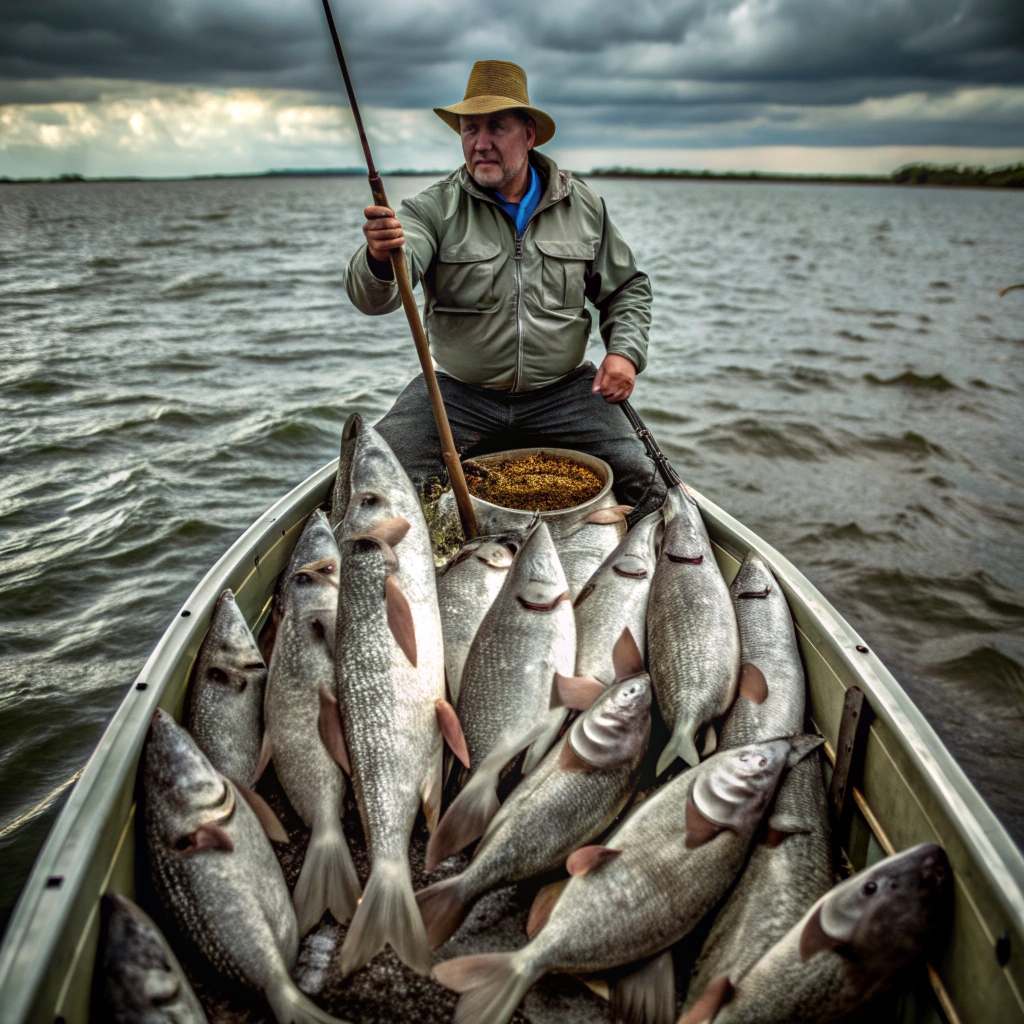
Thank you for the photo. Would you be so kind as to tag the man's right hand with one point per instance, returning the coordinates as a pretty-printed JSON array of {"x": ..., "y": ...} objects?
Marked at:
[{"x": 383, "y": 232}]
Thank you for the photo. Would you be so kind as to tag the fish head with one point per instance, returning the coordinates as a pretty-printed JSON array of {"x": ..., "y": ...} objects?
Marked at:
[
  {"x": 754, "y": 579},
  {"x": 685, "y": 538},
  {"x": 615, "y": 729},
  {"x": 379, "y": 488},
  {"x": 183, "y": 790},
  {"x": 312, "y": 598},
  {"x": 229, "y": 658},
  {"x": 497, "y": 554},
  {"x": 536, "y": 573},
  {"x": 732, "y": 789},
  {"x": 886, "y": 916},
  {"x": 317, "y": 538}
]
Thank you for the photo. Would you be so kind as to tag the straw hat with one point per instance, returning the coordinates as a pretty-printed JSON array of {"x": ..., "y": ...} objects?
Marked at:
[{"x": 497, "y": 85}]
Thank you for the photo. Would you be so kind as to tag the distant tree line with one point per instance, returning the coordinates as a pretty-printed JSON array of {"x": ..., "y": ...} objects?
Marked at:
[{"x": 953, "y": 174}]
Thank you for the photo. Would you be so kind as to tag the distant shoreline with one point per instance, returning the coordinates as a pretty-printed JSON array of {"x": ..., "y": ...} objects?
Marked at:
[{"x": 928, "y": 175}]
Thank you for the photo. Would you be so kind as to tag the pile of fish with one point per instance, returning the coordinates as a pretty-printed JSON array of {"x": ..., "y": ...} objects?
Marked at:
[{"x": 515, "y": 709}]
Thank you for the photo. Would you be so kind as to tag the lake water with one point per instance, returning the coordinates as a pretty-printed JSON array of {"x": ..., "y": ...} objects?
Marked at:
[{"x": 832, "y": 364}]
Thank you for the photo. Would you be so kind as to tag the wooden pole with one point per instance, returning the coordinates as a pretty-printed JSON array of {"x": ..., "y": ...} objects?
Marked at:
[{"x": 412, "y": 312}]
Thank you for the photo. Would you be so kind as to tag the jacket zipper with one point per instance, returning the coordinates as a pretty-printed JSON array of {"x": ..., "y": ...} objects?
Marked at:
[{"x": 519, "y": 312}]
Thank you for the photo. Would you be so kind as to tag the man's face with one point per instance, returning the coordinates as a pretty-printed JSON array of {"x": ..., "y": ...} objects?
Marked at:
[{"x": 496, "y": 146}]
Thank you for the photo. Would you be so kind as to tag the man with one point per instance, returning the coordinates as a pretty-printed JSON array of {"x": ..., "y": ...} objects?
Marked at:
[{"x": 507, "y": 249}]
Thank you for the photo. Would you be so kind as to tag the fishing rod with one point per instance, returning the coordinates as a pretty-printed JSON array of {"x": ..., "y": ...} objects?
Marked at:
[
  {"x": 657, "y": 456},
  {"x": 412, "y": 312}
]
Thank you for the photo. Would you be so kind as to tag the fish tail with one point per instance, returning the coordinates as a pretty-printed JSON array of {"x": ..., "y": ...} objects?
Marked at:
[
  {"x": 387, "y": 913},
  {"x": 491, "y": 985},
  {"x": 466, "y": 819},
  {"x": 328, "y": 879},
  {"x": 680, "y": 744},
  {"x": 443, "y": 906},
  {"x": 290, "y": 1006}
]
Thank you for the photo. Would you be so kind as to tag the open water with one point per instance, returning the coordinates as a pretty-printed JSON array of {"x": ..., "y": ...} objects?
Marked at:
[{"x": 832, "y": 364}]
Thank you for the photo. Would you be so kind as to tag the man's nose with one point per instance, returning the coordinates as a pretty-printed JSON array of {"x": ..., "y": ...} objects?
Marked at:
[{"x": 483, "y": 142}]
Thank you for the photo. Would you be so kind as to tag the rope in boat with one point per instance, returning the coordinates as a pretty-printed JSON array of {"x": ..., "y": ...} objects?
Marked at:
[{"x": 41, "y": 806}]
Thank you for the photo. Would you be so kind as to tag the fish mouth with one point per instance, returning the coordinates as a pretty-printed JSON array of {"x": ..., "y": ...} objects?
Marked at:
[
  {"x": 534, "y": 606},
  {"x": 224, "y": 805}
]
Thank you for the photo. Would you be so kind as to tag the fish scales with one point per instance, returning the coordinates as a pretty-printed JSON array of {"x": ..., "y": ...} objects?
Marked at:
[
  {"x": 771, "y": 696},
  {"x": 693, "y": 638},
  {"x": 583, "y": 546}
]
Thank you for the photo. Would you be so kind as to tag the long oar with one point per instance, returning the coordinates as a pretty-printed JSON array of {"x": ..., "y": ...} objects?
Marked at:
[
  {"x": 660, "y": 459},
  {"x": 412, "y": 313}
]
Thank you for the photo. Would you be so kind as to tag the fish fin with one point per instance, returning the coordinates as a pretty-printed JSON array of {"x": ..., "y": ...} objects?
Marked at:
[
  {"x": 443, "y": 908},
  {"x": 586, "y": 858},
  {"x": 680, "y": 744},
  {"x": 699, "y": 829},
  {"x": 713, "y": 998},
  {"x": 328, "y": 879},
  {"x": 753, "y": 684},
  {"x": 329, "y": 726},
  {"x": 400, "y": 618},
  {"x": 576, "y": 692},
  {"x": 431, "y": 796},
  {"x": 544, "y": 736},
  {"x": 801, "y": 746},
  {"x": 209, "y": 837},
  {"x": 612, "y": 514},
  {"x": 814, "y": 938},
  {"x": 543, "y": 903},
  {"x": 466, "y": 818},
  {"x": 571, "y": 761},
  {"x": 710, "y": 742},
  {"x": 268, "y": 819},
  {"x": 289, "y": 1004},
  {"x": 451, "y": 729},
  {"x": 391, "y": 531},
  {"x": 266, "y": 753},
  {"x": 648, "y": 994},
  {"x": 491, "y": 985},
  {"x": 626, "y": 657},
  {"x": 387, "y": 913}
]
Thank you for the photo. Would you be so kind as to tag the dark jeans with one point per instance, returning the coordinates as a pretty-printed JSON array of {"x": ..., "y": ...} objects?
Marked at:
[{"x": 565, "y": 414}]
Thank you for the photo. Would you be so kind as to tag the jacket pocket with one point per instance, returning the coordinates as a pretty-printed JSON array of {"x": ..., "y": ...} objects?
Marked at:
[
  {"x": 563, "y": 274},
  {"x": 465, "y": 277}
]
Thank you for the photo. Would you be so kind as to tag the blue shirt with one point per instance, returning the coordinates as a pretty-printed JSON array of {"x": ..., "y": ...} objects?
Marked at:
[{"x": 522, "y": 211}]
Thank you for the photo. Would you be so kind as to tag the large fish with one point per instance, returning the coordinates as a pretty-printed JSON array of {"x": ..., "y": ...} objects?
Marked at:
[
  {"x": 302, "y": 664},
  {"x": 611, "y": 610},
  {"x": 226, "y": 710},
  {"x": 465, "y": 591},
  {"x": 142, "y": 981},
  {"x": 505, "y": 702},
  {"x": 693, "y": 641},
  {"x": 787, "y": 871},
  {"x": 849, "y": 947},
  {"x": 569, "y": 799},
  {"x": 214, "y": 867},
  {"x": 770, "y": 699},
  {"x": 584, "y": 542},
  {"x": 659, "y": 873}
]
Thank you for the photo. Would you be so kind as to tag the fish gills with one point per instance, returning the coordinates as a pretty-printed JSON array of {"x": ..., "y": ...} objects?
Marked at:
[
  {"x": 851, "y": 945},
  {"x": 771, "y": 691},
  {"x": 664, "y": 868},
  {"x": 215, "y": 869},
  {"x": 302, "y": 663},
  {"x": 143, "y": 983},
  {"x": 565, "y": 802},
  {"x": 226, "y": 708},
  {"x": 693, "y": 639}
]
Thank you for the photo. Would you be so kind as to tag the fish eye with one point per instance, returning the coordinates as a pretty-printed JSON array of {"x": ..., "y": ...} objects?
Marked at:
[
  {"x": 218, "y": 675},
  {"x": 370, "y": 500},
  {"x": 183, "y": 843},
  {"x": 744, "y": 757},
  {"x": 870, "y": 888},
  {"x": 327, "y": 569}
]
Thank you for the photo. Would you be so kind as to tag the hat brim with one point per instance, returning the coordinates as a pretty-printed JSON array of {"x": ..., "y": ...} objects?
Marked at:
[{"x": 492, "y": 104}]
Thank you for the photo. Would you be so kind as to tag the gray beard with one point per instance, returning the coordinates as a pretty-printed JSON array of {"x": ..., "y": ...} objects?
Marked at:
[{"x": 507, "y": 179}]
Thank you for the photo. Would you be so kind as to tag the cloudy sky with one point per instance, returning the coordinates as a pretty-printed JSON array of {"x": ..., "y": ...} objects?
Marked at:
[{"x": 174, "y": 87}]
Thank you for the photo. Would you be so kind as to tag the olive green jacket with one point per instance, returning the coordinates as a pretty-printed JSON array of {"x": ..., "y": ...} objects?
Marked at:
[{"x": 508, "y": 312}]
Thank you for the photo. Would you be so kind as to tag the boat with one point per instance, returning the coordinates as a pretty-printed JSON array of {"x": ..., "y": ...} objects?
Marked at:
[{"x": 894, "y": 784}]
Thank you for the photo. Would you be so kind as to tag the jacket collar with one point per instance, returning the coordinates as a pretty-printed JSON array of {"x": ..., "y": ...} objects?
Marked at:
[{"x": 558, "y": 184}]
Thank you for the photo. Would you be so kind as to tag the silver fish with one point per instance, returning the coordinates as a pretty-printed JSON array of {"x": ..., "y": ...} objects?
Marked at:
[
  {"x": 787, "y": 871},
  {"x": 770, "y": 699},
  {"x": 143, "y": 983},
  {"x": 569, "y": 799},
  {"x": 389, "y": 674},
  {"x": 226, "y": 709},
  {"x": 302, "y": 664},
  {"x": 693, "y": 641},
  {"x": 505, "y": 702},
  {"x": 584, "y": 542},
  {"x": 659, "y": 873},
  {"x": 613, "y": 603},
  {"x": 215, "y": 869},
  {"x": 850, "y": 946},
  {"x": 465, "y": 591}
]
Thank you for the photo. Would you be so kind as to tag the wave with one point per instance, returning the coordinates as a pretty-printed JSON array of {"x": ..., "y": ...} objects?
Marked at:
[{"x": 909, "y": 379}]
